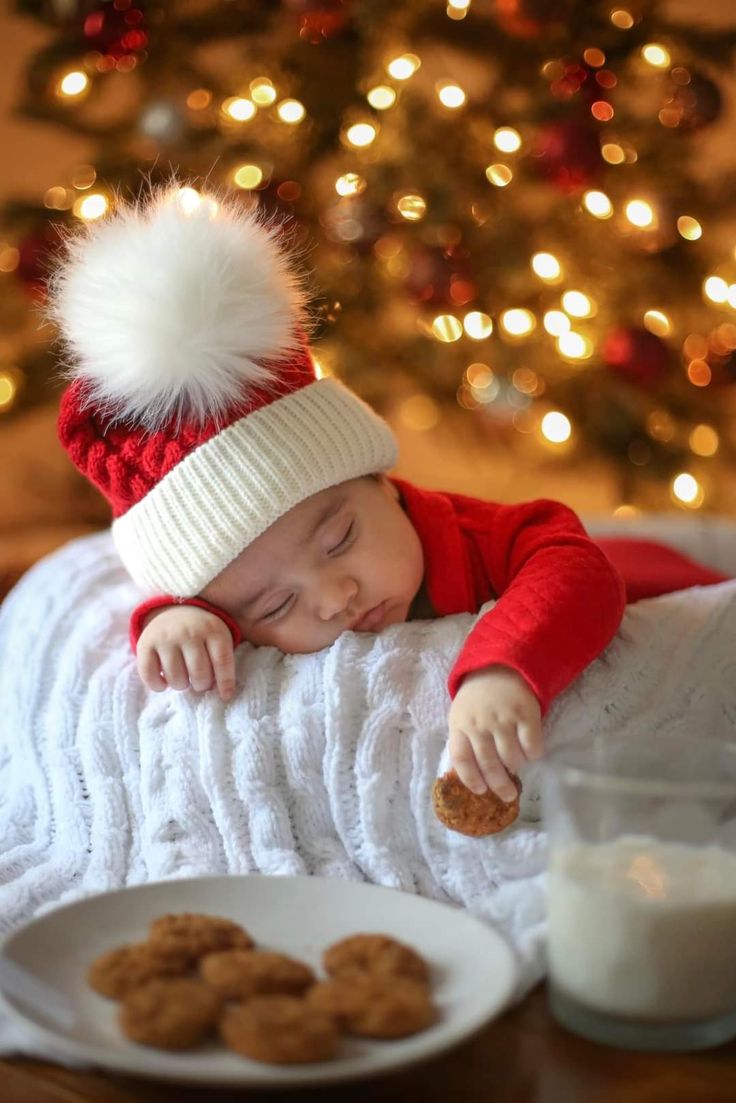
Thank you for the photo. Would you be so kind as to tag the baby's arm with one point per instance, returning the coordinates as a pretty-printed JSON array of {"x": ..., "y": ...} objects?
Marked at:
[
  {"x": 559, "y": 603},
  {"x": 185, "y": 647}
]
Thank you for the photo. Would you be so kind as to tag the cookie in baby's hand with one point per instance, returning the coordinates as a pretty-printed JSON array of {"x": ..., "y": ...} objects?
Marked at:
[{"x": 471, "y": 813}]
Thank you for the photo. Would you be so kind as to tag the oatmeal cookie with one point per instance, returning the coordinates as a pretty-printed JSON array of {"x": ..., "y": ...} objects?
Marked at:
[
  {"x": 376, "y": 954},
  {"x": 174, "y": 1013},
  {"x": 280, "y": 1030},
  {"x": 239, "y": 974},
  {"x": 116, "y": 973},
  {"x": 197, "y": 935},
  {"x": 375, "y": 1007},
  {"x": 472, "y": 813}
]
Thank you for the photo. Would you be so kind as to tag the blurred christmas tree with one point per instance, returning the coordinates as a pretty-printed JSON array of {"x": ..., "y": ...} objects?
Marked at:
[{"x": 503, "y": 202}]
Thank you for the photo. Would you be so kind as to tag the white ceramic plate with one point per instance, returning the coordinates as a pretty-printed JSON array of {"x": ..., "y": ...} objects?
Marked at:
[{"x": 473, "y": 970}]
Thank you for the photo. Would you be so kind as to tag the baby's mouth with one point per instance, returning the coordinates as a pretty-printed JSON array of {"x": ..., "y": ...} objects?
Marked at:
[{"x": 370, "y": 620}]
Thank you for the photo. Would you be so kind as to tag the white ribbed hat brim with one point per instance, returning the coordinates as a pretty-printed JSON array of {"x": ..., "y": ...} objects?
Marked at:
[{"x": 223, "y": 495}]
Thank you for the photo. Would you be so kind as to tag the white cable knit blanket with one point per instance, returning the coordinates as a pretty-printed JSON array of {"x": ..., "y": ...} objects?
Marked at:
[{"x": 322, "y": 764}]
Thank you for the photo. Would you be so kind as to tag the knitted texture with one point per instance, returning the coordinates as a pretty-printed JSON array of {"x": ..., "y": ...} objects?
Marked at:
[
  {"x": 224, "y": 494},
  {"x": 322, "y": 764},
  {"x": 125, "y": 461}
]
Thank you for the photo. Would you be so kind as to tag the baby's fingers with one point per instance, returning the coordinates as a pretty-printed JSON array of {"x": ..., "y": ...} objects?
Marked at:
[
  {"x": 464, "y": 763},
  {"x": 173, "y": 667},
  {"x": 531, "y": 739},
  {"x": 222, "y": 655},
  {"x": 198, "y": 665},
  {"x": 495, "y": 774},
  {"x": 149, "y": 668}
]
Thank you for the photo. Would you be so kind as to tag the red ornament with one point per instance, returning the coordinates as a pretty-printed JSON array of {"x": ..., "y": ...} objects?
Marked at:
[
  {"x": 529, "y": 18},
  {"x": 116, "y": 29},
  {"x": 319, "y": 19},
  {"x": 637, "y": 355},
  {"x": 568, "y": 153}
]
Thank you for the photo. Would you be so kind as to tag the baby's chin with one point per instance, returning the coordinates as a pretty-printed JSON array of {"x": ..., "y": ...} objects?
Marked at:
[{"x": 396, "y": 614}]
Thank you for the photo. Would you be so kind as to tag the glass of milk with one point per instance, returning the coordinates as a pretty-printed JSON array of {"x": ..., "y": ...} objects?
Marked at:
[{"x": 642, "y": 890}]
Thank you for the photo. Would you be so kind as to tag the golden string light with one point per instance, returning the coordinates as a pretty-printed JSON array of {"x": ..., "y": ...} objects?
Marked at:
[
  {"x": 9, "y": 380},
  {"x": 381, "y": 97},
  {"x": 613, "y": 153},
  {"x": 262, "y": 91},
  {"x": 658, "y": 323},
  {"x": 291, "y": 111},
  {"x": 640, "y": 213},
  {"x": 450, "y": 95},
  {"x": 555, "y": 322},
  {"x": 556, "y": 427},
  {"x": 412, "y": 207},
  {"x": 239, "y": 108},
  {"x": 686, "y": 490},
  {"x": 447, "y": 328},
  {"x": 574, "y": 346},
  {"x": 403, "y": 67},
  {"x": 248, "y": 176},
  {"x": 350, "y": 184},
  {"x": 72, "y": 84},
  {"x": 506, "y": 139},
  {"x": 499, "y": 175},
  {"x": 715, "y": 289},
  {"x": 704, "y": 440},
  {"x": 578, "y": 304},
  {"x": 656, "y": 55},
  {"x": 361, "y": 135},
  {"x": 477, "y": 325},
  {"x": 622, "y": 19},
  {"x": 689, "y": 228},
  {"x": 598, "y": 204},
  {"x": 90, "y": 207},
  {"x": 518, "y": 322},
  {"x": 547, "y": 267}
]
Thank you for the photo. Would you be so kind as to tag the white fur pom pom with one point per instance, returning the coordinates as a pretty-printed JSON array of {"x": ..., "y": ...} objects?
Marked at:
[{"x": 175, "y": 306}]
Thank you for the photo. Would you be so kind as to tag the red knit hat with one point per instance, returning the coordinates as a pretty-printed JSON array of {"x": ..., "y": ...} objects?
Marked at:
[{"x": 194, "y": 405}]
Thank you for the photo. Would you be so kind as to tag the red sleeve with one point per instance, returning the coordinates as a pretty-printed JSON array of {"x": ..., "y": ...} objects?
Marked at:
[
  {"x": 141, "y": 611},
  {"x": 560, "y": 599}
]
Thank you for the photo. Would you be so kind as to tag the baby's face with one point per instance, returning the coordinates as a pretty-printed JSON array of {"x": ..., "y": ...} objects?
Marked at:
[{"x": 346, "y": 558}]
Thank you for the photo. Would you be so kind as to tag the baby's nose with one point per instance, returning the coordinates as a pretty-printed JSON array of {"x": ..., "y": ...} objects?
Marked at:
[{"x": 335, "y": 596}]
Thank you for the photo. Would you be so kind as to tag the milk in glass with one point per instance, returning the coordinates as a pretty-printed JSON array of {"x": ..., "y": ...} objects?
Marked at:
[{"x": 644, "y": 929}]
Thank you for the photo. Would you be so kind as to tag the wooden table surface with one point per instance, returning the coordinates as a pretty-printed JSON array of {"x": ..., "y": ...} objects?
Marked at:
[{"x": 523, "y": 1057}]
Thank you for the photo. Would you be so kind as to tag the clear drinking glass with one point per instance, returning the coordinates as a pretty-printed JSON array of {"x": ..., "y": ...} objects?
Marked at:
[{"x": 642, "y": 890}]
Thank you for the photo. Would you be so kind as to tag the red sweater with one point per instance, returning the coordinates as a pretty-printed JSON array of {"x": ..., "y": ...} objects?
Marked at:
[{"x": 560, "y": 595}]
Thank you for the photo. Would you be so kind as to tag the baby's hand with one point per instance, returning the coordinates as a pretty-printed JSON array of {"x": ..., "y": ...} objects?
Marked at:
[
  {"x": 185, "y": 647},
  {"x": 495, "y": 727}
]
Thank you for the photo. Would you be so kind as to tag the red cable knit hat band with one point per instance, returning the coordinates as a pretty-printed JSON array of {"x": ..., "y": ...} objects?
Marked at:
[{"x": 194, "y": 405}]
